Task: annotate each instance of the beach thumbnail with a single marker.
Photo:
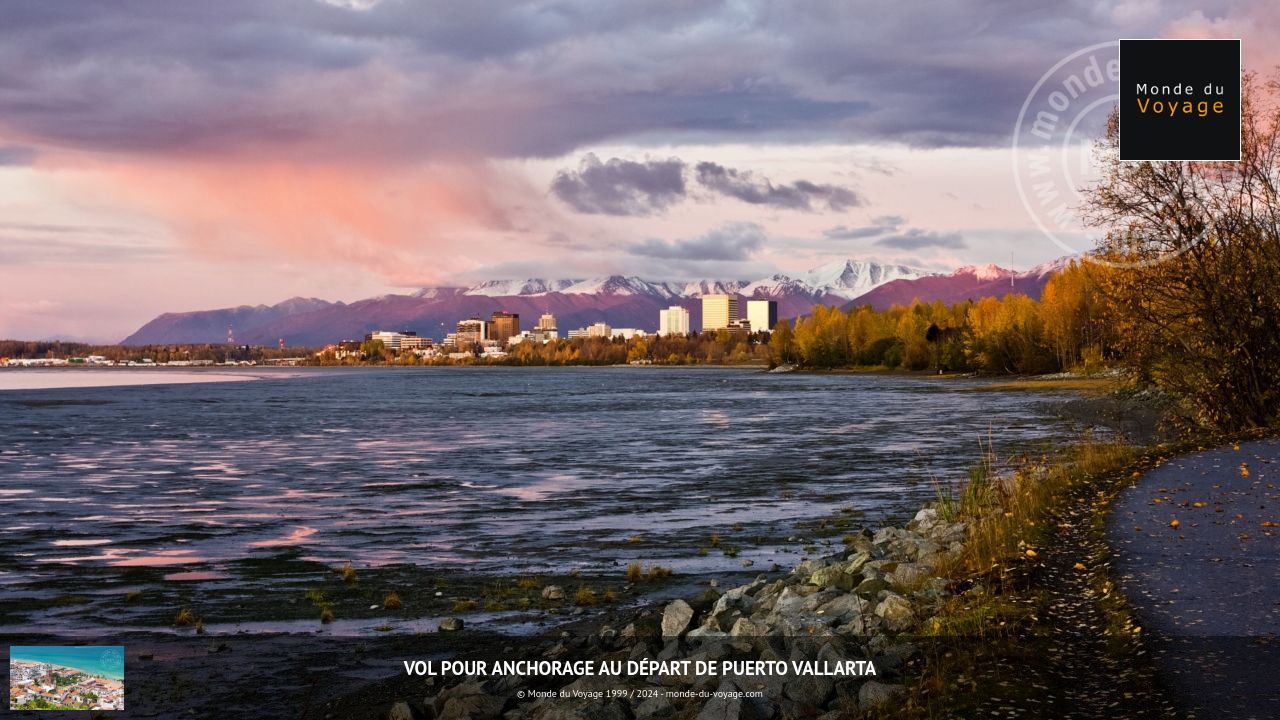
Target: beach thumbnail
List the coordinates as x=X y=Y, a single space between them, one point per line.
x=50 y=677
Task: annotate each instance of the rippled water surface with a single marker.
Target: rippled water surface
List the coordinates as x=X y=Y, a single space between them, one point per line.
x=492 y=470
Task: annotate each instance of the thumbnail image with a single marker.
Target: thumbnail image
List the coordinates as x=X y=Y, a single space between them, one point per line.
x=51 y=677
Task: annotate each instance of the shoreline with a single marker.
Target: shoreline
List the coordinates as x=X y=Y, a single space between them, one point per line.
x=74 y=670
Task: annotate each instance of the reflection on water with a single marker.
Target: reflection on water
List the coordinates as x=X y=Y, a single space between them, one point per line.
x=498 y=470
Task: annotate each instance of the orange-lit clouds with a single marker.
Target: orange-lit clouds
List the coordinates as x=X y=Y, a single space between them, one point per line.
x=411 y=225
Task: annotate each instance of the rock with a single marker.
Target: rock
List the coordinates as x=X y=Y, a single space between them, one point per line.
x=856 y=562
x=870 y=588
x=553 y=592
x=909 y=576
x=578 y=710
x=655 y=707
x=833 y=577
x=811 y=690
x=844 y=607
x=896 y=612
x=728 y=705
x=924 y=521
x=873 y=694
x=468 y=701
x=400 y=711
x=895 y=656
x=676 y=618
x=747 y=628
x=452 y=624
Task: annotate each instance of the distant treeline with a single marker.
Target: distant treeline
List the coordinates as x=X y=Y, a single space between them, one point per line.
x=1016 y=334
x=34 y=349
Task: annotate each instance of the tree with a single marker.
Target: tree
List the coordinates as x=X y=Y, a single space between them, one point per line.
x=1196 y=287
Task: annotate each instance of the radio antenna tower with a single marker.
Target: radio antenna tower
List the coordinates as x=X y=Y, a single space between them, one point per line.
x=231 y=336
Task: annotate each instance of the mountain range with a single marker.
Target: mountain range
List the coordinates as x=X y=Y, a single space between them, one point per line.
x=621 y=301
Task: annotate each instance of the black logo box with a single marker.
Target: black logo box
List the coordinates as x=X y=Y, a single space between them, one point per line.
x=1187 y=68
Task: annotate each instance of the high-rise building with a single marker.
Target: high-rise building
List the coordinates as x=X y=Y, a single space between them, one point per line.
x=503 y=326
x=471 y=331
x=719 y=311
x=547 y=322
x=599 y=329
x=673 y=321
x=762 y=314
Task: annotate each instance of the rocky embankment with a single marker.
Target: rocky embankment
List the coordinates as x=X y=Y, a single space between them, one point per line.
x=865 y=603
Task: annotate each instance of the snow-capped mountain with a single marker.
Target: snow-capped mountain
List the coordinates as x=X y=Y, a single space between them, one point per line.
x=970 y=282
x=621 y=301
x=845 y=279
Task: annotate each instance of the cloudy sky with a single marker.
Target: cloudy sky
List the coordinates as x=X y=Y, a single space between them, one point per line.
x=159 y=155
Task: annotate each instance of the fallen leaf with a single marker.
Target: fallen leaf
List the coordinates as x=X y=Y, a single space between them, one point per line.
x=1174 y=523
x=1079 y=566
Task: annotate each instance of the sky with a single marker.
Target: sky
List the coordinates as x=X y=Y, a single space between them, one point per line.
x=159 y=156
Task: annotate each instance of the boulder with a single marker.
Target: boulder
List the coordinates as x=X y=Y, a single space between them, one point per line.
x=400 y=711
x=832 y=577
x=676 y=618
x=452 y=624
x=745 y=627
x=924 y=520
x=553 y=592
x=870 y=588
x=654 y=708
x=468 y=701
x=856 y=562
x=896 y=612
x=873 y=694
x=844 y=607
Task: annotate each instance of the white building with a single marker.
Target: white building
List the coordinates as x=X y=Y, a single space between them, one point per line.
x=628 y=333
x=599 y=329
x=673 y=321
x=393 y=340
x=762 y=314
x=719 y=311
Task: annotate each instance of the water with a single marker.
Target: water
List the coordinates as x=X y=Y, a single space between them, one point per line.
x=107 y=661
x=237 y=496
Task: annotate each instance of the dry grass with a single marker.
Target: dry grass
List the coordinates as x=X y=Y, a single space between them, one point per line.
x=185 y=617
x=1004 y=509
x=636 y=572
x=391 y=601
x=461 y=606
x=348 y=574
x=326 y=615
x=585 y=597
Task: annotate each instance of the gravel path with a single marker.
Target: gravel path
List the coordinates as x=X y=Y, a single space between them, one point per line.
x=1196 y=548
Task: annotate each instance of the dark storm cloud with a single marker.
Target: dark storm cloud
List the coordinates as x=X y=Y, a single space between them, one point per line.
x=732 y=242
x=916 y=239
x=412 y=80
x=16 y=155
x=621 y=187
x=756 y=190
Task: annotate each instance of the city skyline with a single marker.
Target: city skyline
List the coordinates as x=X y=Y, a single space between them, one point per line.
x=200 y=160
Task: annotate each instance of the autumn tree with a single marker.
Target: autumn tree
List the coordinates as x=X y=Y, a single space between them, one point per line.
x=1197 y=250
